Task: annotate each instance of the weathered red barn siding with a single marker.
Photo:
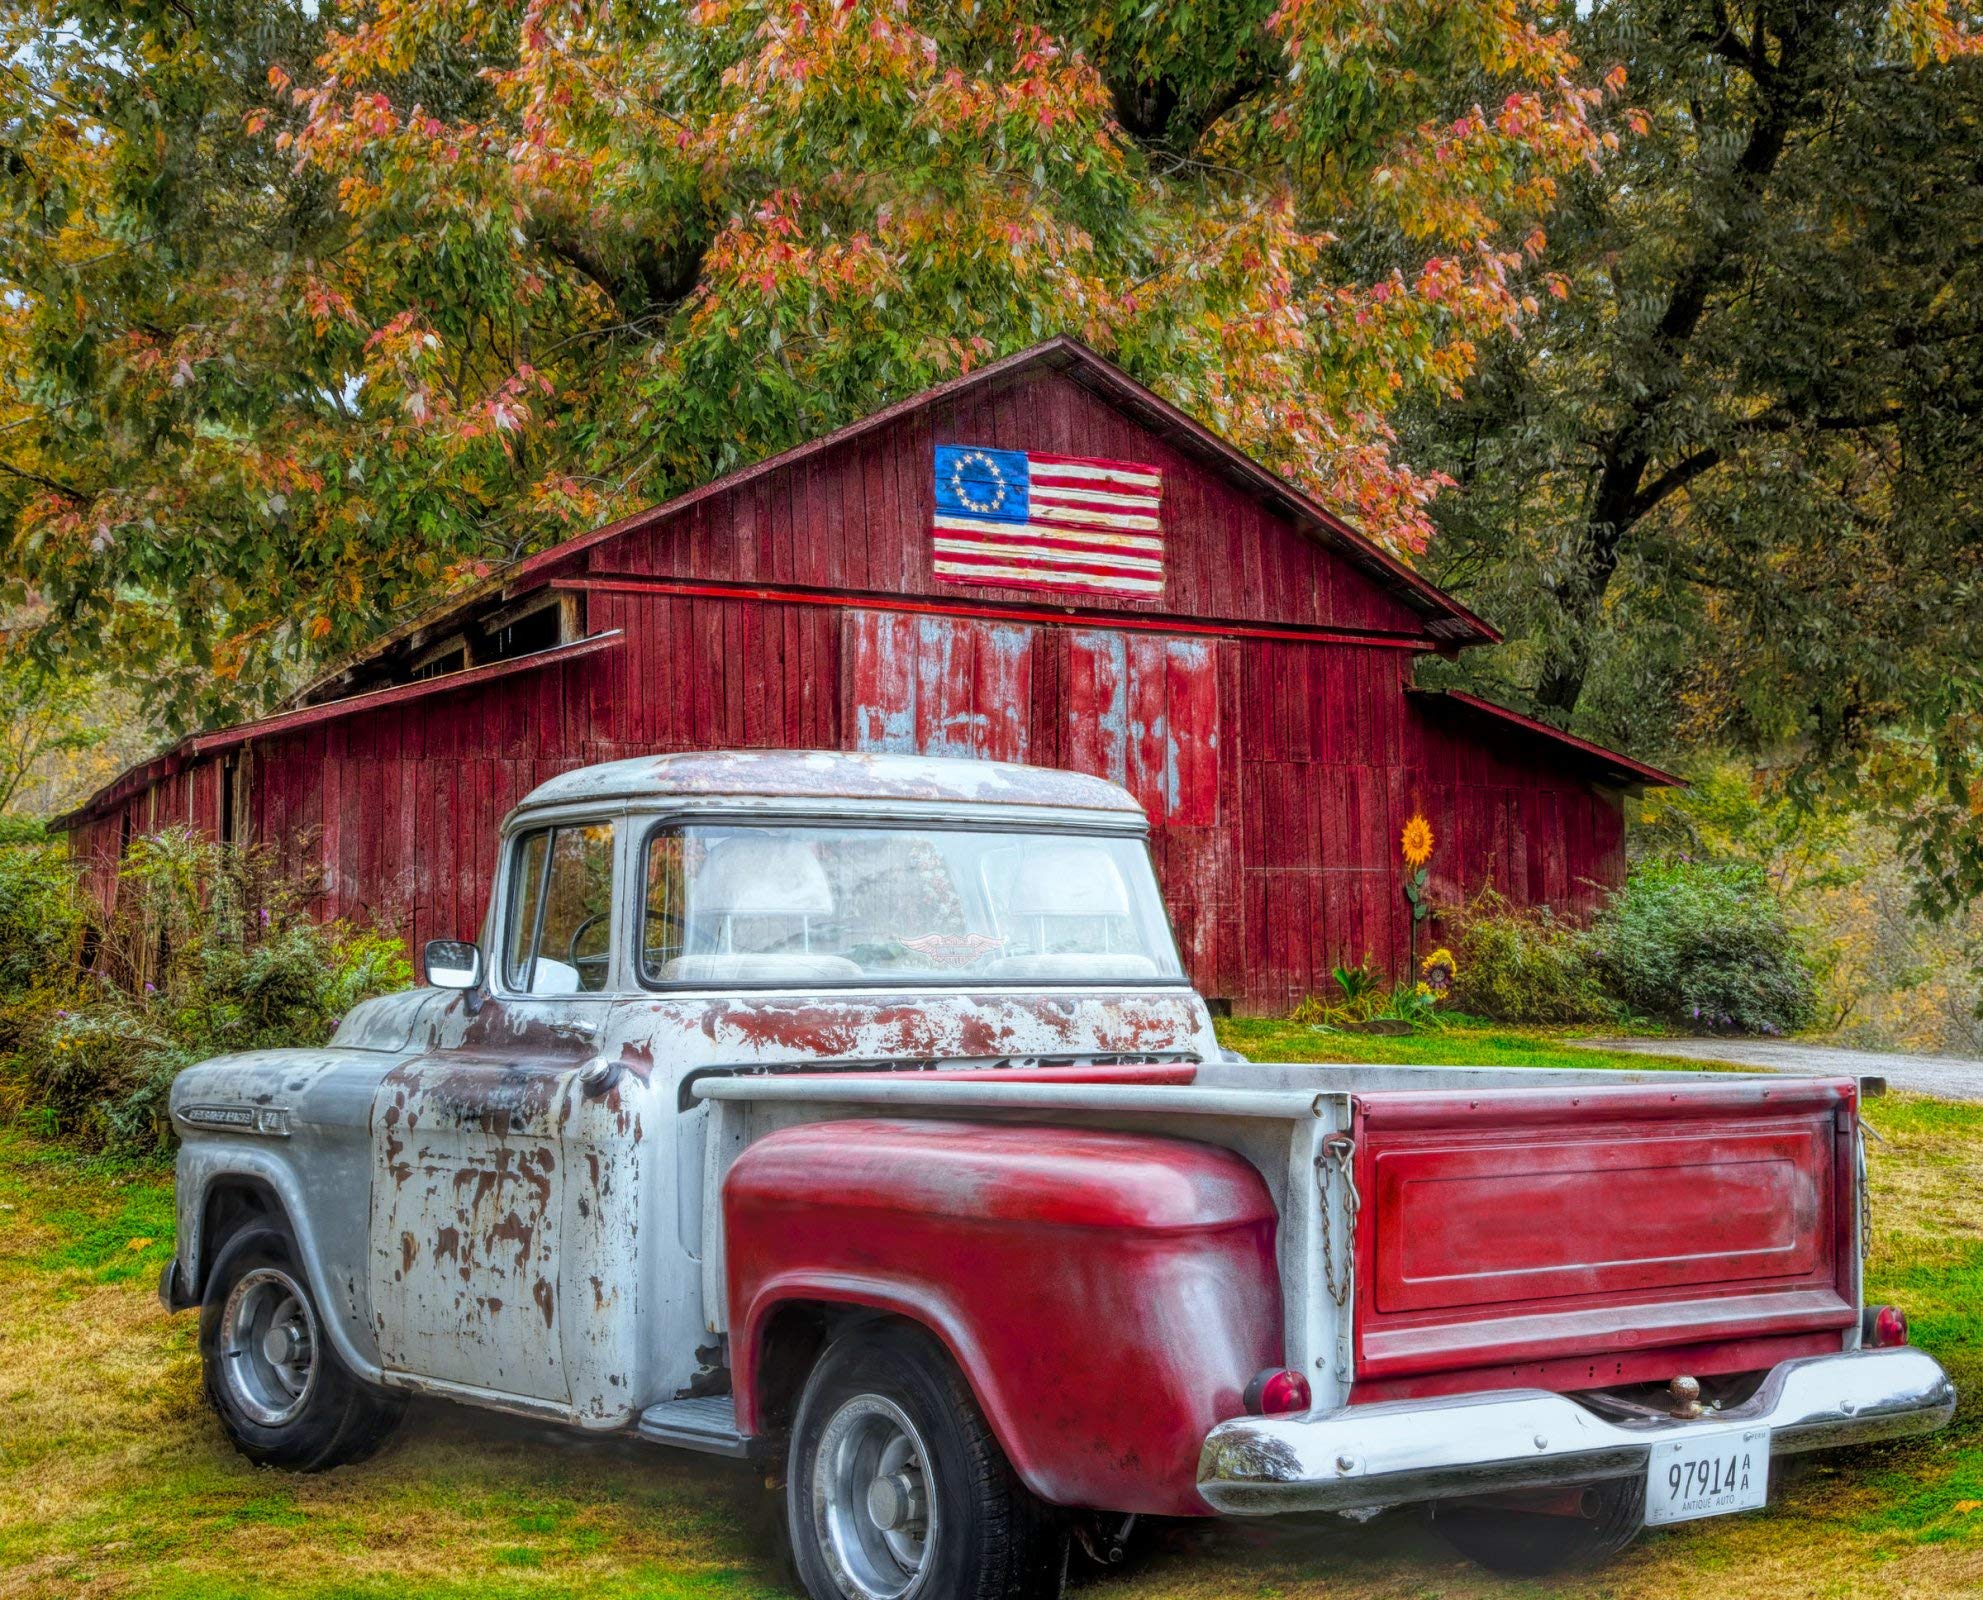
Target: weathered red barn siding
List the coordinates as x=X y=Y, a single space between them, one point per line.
x=1259 y=711
x=856 y=520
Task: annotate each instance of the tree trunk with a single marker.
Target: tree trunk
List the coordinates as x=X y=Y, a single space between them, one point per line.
x=1623 y=497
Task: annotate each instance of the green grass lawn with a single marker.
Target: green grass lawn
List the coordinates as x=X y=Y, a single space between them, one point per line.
x=115 y=1481
x=1463 y=1045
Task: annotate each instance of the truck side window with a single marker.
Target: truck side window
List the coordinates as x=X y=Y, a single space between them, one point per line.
x=561 y=901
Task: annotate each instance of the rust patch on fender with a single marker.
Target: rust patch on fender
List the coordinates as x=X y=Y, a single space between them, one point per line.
x=477 y=1186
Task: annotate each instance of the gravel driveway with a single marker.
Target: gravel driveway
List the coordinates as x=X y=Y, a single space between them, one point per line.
x=1952 y=1077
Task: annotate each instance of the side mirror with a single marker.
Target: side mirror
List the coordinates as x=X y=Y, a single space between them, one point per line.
x=453 y=964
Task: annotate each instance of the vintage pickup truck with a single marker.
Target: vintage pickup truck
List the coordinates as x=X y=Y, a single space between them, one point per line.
x=853 y=1113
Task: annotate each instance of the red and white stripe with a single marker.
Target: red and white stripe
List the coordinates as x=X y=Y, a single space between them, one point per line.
x=1092 y=527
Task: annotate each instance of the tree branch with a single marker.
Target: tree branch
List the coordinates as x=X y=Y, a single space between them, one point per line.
x=50 y=484
x=1688 y=468
x=638 y=279
x=1621 y=495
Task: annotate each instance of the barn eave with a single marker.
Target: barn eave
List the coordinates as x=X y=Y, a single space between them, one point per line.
x=1599 y=761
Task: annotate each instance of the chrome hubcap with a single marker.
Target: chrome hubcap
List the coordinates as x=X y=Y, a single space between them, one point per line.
x=269 y=1346
x=871 y=1501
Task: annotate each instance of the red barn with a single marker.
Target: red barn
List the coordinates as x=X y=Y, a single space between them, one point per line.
x=1255 y=695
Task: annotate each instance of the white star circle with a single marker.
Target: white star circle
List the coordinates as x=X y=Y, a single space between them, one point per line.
x=957 y=482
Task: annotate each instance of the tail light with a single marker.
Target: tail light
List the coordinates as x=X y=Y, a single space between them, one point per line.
x=1883 y=1327
x=1277 y=1391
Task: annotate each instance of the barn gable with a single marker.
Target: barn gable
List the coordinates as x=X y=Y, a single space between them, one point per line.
x=850 y=513
x=853 y=515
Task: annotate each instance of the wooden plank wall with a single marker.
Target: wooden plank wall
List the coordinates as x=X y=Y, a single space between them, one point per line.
x=1277 y=845
x=1336 y=760
x=857 y=521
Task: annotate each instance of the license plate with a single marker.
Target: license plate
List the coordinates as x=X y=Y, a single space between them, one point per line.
x=1708 y=1477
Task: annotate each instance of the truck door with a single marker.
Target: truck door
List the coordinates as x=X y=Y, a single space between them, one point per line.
x=471 y=1168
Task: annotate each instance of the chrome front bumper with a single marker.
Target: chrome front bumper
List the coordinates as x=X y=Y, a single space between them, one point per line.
x=1397 y=1452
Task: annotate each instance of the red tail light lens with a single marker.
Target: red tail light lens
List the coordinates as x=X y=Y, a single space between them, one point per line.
x=1884 y=1327
x=1276 y=1392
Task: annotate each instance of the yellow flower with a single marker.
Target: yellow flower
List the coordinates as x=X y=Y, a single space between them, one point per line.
x=1417 y=842
x=1438 y=969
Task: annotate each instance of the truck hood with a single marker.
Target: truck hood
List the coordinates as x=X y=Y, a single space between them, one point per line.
x=276 y=1090
x=986 y=1026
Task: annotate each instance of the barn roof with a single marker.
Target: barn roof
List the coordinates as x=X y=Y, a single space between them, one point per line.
x=1485 y=716
x=1445 y=619
x=753 y=775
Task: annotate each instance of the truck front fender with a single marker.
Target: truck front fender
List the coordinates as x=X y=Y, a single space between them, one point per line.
x=1106 y=1295
x=206 y=1164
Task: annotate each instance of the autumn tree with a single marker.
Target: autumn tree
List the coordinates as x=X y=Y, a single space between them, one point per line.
x=312 y=313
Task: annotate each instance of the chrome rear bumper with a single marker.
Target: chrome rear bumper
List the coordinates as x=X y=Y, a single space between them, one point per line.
x=1402 y=1451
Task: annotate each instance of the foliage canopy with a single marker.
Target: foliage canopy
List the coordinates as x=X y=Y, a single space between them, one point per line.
x=314 y=312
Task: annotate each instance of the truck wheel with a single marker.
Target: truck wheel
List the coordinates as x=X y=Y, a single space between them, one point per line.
x=896 y=1489
x=280 y=1391
x=1533 y=1544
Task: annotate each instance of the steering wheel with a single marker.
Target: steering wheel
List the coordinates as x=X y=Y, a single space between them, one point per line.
x=588 y=966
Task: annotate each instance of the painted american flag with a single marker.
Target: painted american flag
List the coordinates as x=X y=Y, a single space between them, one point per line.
x=1019 y=518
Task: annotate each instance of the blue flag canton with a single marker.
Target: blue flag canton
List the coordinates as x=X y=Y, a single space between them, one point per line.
x=983 y=485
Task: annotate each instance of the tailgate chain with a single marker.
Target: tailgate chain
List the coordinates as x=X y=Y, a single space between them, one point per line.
x=1338 y=1149
x=1863 y=1177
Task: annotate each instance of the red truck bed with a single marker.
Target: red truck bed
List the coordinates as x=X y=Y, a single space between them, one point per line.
x=1577 y=1237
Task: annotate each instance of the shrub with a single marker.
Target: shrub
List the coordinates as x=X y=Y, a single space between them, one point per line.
x=209 y=949
x=1361 y=996
x=41 y=911
x=1707 y=947
x=1516 y=964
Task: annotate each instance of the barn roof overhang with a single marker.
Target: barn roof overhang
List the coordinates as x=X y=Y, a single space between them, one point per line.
x=1484 y=716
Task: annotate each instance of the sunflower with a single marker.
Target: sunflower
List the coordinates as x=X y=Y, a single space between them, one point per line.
x=1417 y=842
x=1437 y=972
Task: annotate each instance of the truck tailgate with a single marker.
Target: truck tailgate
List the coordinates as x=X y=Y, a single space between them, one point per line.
x=1546 y=1233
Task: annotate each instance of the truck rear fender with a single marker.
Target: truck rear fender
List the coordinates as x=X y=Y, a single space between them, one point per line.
x=1107 y=1296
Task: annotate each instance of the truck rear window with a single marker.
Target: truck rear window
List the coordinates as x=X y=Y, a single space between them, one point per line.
x=819 y=906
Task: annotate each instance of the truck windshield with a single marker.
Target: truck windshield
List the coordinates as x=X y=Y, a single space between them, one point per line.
x=809 y=906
